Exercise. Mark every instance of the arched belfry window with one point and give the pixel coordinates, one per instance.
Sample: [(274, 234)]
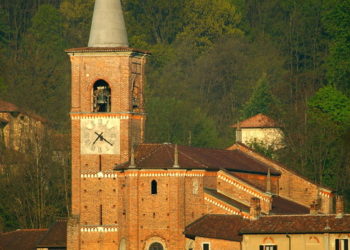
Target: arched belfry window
[(154, 187), (101, 97)]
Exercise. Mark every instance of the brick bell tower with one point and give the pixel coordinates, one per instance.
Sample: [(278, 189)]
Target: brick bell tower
[(107, 116)]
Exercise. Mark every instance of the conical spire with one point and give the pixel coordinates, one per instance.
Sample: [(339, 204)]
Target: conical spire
[(108, 27)]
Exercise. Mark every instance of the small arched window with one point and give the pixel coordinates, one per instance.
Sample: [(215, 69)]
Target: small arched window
[(154, 187), (156, 246), (101, 97)]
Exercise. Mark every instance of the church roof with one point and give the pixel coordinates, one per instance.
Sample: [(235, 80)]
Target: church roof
[(56, 236), (161, 156), (24, 239), (108, 27), (282, 205), (217, 226), (257, 121), (281, 224)]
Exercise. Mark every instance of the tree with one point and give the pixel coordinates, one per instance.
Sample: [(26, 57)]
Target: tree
[(153, 21), (174, 121), (208, 20), (43, 85), (261, 100), (77, 16), (318, 148), (336, 19)]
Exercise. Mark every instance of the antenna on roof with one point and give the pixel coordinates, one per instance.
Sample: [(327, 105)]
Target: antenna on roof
[(176, 157), (132, 158), (268, 181)]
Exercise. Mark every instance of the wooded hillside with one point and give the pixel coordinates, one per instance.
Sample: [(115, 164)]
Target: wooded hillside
[(213, 63)]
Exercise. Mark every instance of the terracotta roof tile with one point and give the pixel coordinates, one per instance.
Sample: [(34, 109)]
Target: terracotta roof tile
[(298, 224), (24, 239), (161, 156), (217, 226), (257, 121), (284, 206), (8, 107), (56, 236)]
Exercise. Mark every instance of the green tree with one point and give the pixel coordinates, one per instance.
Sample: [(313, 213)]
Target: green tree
[(77, 16), (43, 85), (336, 19), (261, 100), (174, 121), (153, 21), (208, 20)]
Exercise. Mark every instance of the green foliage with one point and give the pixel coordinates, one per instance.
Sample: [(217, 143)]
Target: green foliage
[(337, 21), (4, 29), (77, 16), (331, 104), (174, 121), (266, 150), (154, 21), (208, 20), (43, 85), (261, 100)]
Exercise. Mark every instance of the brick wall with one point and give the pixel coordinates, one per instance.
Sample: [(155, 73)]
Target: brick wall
[(294, 186)]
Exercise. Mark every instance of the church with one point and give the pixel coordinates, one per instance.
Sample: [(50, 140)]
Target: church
[(128, 194)]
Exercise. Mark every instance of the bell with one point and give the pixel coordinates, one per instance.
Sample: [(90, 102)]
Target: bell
[(101, 98)]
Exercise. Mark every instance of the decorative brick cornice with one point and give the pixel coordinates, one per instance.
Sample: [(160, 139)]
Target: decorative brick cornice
[(325, 193), (229, 208), (99, 175), (99, 229), (244, 186), (121, 116), (137, 173)]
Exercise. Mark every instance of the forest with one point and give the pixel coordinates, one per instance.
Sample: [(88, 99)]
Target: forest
[(213, 63)]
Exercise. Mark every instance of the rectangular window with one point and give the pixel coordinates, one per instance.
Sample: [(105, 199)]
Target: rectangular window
[(267, 247), (206, 246), (341, 244)]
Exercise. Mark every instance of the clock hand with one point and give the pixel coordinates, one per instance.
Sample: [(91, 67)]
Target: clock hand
[(107, 141), (99, 136)]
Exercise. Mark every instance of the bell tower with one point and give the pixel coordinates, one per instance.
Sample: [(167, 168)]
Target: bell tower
[(107, 116)]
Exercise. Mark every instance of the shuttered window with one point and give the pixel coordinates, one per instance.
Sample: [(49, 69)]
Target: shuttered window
[(268, 247), (341, 244), (206, 246)]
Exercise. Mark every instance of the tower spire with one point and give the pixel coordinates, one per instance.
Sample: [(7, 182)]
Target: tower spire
[(108, 27)]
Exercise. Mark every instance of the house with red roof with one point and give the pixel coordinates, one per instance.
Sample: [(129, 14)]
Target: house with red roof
[(259, 129)]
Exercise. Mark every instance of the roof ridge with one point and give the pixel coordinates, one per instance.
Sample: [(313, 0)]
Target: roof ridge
[(191, 158), (151, 152)]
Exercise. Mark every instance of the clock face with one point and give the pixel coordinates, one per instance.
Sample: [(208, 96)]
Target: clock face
[(100, 136)]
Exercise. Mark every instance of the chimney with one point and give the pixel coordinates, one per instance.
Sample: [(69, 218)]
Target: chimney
[(314, 207), (339, 206), (255, 208), (176, 157), (238, 133), (268, 181), (132, 158)]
